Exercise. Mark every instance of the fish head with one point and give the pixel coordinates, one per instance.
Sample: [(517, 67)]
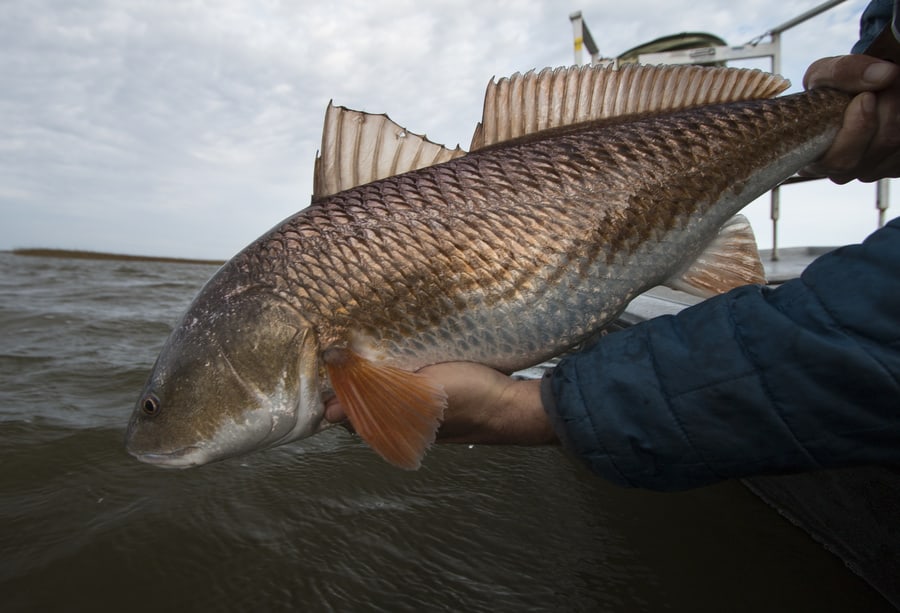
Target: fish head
[(238, 374)]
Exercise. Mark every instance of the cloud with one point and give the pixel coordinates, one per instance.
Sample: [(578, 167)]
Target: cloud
[(189, 128)]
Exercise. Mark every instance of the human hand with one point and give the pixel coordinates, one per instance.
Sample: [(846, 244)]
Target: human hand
[(867, 147), (484, 406)]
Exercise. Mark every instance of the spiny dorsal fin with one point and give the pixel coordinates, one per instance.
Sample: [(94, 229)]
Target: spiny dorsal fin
[(358, 148), (536, 101), (730, 261), (395, 411)]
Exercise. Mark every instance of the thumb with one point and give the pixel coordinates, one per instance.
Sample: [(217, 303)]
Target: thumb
[(851, 73)]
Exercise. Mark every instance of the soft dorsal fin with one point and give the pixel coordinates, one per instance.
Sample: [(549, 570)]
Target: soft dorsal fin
[(730, 261), (358, 148), (395, 411), (528, 103)]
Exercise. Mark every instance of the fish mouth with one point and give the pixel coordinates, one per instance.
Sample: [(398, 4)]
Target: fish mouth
[(185, 457)]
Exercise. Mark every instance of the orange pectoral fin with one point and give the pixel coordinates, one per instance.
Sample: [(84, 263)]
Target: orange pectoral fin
[(395, 411)]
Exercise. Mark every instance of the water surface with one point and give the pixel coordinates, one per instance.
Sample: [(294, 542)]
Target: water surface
[(324, 524)]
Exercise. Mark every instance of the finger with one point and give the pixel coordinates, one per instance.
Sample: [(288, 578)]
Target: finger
[(881, 157), (889, 167), (851, 73), (887, 137), (858, 129), (334, 412)]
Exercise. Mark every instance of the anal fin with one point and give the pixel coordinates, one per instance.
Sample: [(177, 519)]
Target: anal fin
[(730, 261), (395, 411)]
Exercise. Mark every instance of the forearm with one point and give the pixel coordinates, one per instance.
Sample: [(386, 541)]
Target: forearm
[(487, 407)]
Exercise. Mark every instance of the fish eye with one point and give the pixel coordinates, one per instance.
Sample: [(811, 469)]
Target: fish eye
[(150, 405)]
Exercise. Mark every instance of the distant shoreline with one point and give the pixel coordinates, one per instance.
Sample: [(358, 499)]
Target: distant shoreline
[(73, 254)]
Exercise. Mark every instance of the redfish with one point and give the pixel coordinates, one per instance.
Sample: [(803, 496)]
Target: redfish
[(583, 188)]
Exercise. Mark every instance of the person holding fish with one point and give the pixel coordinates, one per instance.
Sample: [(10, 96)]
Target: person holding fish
[(755, 381)]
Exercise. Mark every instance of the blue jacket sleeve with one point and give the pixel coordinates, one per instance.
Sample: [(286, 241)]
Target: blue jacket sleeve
[(755, 381), (877, 14)]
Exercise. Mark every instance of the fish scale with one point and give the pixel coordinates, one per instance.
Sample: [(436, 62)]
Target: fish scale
[(505, 256), (662, 170)]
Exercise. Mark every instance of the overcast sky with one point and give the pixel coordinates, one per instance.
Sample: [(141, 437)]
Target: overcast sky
[(188, 128)]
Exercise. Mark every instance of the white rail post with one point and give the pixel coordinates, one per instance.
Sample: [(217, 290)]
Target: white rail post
[(882, 199)]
